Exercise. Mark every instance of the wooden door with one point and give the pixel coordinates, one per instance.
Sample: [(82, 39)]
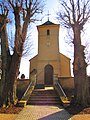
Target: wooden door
[(48, 75)]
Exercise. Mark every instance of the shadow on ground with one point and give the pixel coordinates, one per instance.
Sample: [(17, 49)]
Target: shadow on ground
[(62, 115), (72, 109)]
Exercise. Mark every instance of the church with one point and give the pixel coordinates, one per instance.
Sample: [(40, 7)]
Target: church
[(49, 61)]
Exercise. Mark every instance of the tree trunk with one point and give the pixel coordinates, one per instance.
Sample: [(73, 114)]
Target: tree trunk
[(81, 96), (10, 67), (7, 83), (4, 49), (11, 79)]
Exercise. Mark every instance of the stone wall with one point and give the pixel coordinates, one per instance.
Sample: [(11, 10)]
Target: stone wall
[(21, 87), (68, 82)]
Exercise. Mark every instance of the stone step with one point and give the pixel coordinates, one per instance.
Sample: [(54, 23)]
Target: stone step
[(40, 93), (43, 93), (43, 102), (44, 97)]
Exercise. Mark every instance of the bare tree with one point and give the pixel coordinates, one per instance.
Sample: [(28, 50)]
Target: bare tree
[(87, 52), (28, 44), (4, 47), (24, 12), (74, 15)]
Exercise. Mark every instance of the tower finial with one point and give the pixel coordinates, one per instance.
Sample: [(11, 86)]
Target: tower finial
[(48, 15)]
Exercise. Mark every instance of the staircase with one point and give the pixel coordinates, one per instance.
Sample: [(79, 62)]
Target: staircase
[(47, 96)]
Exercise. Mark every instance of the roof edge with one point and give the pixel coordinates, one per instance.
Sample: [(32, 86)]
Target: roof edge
[(48, 23)]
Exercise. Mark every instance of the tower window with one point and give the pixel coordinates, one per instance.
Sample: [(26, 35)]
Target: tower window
[(48, 32)]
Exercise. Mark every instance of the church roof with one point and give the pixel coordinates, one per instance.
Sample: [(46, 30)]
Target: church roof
[(65, 56), (48, 23)]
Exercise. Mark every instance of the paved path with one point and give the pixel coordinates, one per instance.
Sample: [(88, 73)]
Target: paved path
[(31, 112)]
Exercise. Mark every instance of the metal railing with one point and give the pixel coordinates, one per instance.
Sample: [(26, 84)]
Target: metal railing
[(58, 87), (29, 89), (29, 86), (64, 94)]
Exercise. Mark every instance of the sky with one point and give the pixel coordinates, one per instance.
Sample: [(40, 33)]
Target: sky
[(51, 7)]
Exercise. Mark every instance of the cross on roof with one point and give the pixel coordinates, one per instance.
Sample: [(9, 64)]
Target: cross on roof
[(48, 15)]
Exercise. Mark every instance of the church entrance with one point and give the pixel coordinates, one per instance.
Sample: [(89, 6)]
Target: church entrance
[(48, 75)]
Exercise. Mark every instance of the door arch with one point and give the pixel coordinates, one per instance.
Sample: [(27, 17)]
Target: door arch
[(48, 75)]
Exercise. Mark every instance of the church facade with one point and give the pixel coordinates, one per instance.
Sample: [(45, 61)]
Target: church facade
[(49, 61)]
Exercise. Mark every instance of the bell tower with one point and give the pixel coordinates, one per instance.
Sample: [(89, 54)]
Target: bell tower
[(48, 41), (48, 50)]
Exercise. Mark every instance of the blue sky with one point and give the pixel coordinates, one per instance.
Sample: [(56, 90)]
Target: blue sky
[(51, 6)]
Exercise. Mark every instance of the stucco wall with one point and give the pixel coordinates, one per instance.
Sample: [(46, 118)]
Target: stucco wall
[(67, 82), (65, 70)]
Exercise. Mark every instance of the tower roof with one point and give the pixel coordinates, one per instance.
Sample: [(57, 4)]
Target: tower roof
[(48, 23)]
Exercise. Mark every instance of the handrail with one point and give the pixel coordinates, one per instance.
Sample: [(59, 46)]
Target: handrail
[(56, 82), (26, 95), (27, 88), (61, 89)]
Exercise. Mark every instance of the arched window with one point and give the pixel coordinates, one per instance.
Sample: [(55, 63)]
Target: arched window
[(48, 32)]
